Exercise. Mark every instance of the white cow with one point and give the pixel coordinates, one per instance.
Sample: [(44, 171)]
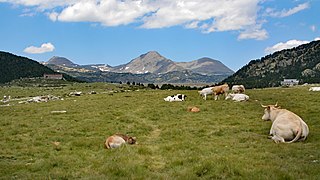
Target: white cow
[(238, 88), (206, 91), (237, 97), (287, 127), (314, 89), (177, 97)]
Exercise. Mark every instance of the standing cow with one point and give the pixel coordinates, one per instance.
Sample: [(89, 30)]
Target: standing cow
[(222, 89), (287, 127), (206, 91)]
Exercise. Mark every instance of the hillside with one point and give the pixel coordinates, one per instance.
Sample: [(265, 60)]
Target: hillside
[(302, 63), (16, 67)]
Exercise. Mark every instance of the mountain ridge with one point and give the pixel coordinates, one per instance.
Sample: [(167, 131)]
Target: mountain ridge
[(153, 62), (150, 67), (301, 63)]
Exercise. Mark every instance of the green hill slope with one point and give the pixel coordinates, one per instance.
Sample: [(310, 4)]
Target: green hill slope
[(302, 63), (15, 67)]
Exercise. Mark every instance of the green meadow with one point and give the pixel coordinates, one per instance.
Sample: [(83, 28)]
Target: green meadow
[(225, 140)]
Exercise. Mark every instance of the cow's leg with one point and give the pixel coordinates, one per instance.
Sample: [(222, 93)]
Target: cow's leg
[(277, 139), (205, 97)]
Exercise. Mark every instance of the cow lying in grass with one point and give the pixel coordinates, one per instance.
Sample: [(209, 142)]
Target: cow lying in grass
[(193, 109), (238, 88), (177, 97), (287, 127), (314, 89), (237, 97), (117, 140)]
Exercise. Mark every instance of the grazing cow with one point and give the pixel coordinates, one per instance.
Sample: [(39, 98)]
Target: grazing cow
[(222, 89), (314, 89), (287, 127), (238, 89), (117, 140), (177, 97), (193, 109), (206, 91), (237, 97)]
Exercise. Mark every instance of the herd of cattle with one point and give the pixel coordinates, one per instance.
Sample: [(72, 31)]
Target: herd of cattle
[(287, 127), (236, 95)]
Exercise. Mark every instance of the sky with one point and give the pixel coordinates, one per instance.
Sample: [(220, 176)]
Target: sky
[(114, 32)]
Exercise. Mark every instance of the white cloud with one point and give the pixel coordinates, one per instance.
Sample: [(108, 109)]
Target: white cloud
[(107, 12), (254, 32), (213, 15), (313, 28), (285, 45), (285, 13), (206, 15), (259, 34), (317, 39), (46, 47)]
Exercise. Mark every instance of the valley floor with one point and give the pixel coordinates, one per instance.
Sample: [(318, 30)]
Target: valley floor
[(64, 138)]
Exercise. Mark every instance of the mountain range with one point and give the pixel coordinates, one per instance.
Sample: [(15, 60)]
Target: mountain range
[(301, 63), (147, 68)]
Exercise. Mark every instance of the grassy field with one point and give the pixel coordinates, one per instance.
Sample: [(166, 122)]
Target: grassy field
[(226, 140)]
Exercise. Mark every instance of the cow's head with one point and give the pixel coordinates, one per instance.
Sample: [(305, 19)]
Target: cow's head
[(267, 110), (132, 140), (229, 96)]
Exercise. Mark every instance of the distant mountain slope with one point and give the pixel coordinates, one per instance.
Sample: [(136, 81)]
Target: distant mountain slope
[(151, 62), (56, 60), (206, 66), (15, 67), (302, 63)]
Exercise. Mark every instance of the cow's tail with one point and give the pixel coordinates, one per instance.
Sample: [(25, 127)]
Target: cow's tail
[(297, 136)]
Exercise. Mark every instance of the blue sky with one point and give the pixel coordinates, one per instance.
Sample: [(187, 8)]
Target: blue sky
[(116, 31)]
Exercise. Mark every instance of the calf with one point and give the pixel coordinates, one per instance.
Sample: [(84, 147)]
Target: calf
[(287, 127), (193, 109), (117, 140), (177, 97)]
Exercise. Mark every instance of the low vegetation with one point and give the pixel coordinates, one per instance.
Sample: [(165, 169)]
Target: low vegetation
[(225, 140)]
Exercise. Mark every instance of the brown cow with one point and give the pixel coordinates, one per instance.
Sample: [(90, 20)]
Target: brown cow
[(222, 89), (193, 109), (117, 140)]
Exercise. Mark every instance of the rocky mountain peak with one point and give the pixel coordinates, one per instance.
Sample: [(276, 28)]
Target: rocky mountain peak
[(150, 56), (56, 60)]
